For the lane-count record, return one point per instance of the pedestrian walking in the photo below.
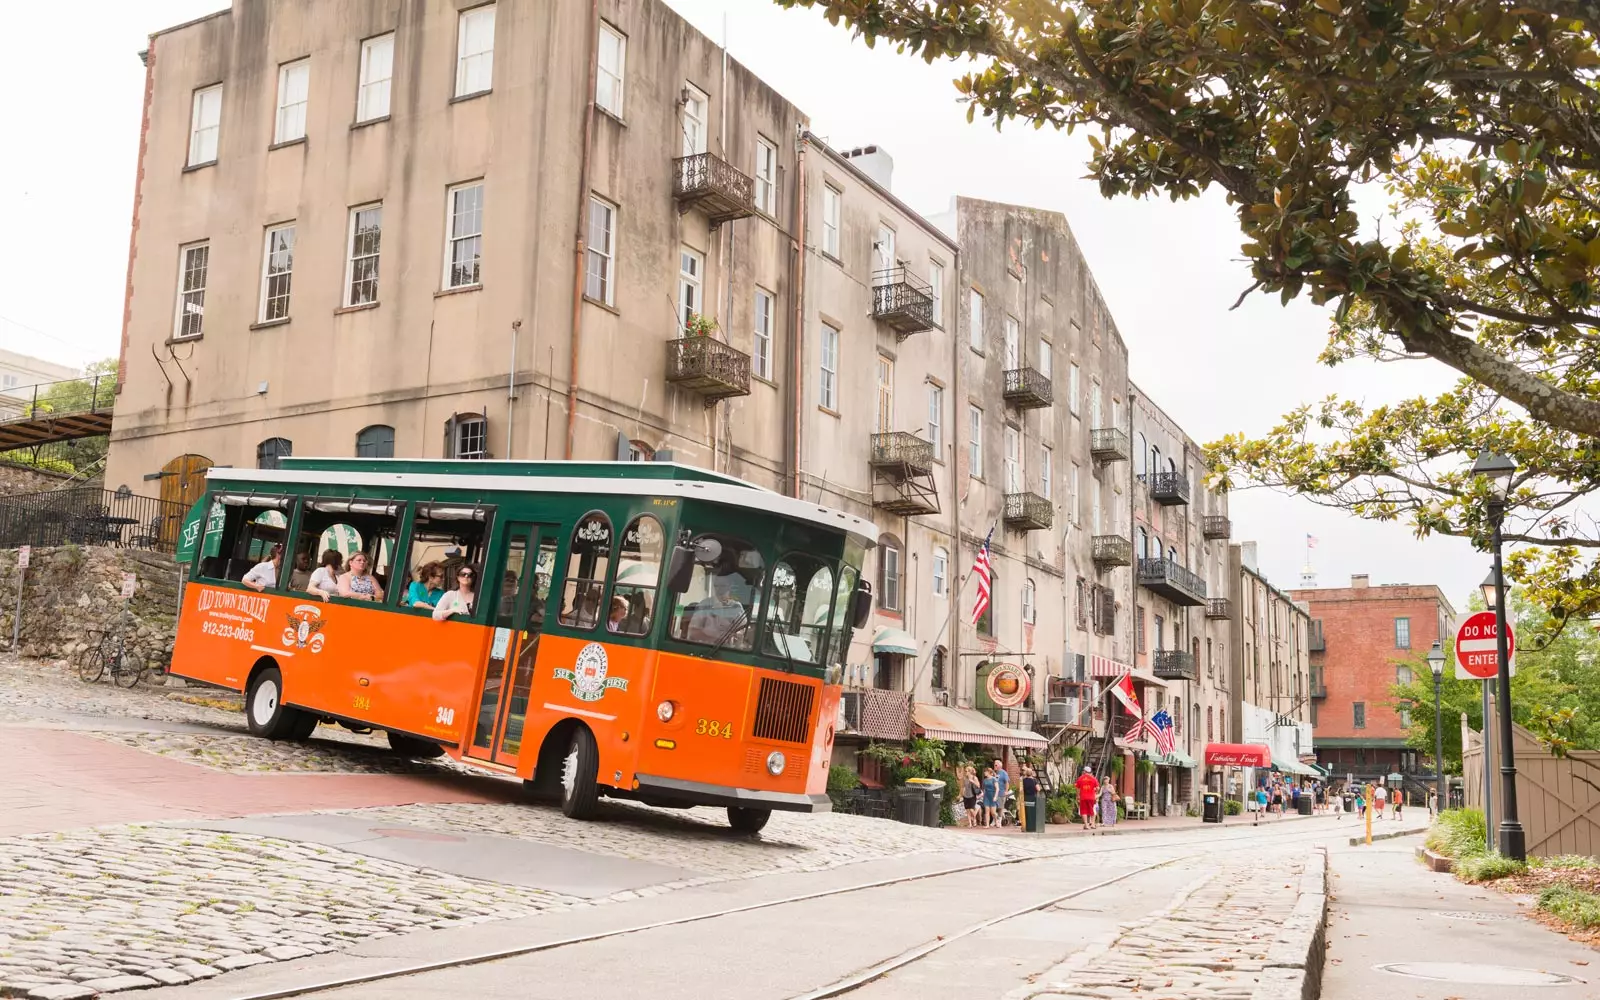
(1380, 797)
(971, 789)
(1030, 795)
(1108, 802)
(1433, 802)
(1004, 778)
(991, 793)
(1088, 798)
(1399, 802)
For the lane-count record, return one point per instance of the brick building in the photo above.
(1364, 640)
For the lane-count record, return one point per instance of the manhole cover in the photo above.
(400, 833)
(1471, 915)
(1487, 975)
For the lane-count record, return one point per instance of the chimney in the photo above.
(1358, 581)
(1247, 556)
(875, 162)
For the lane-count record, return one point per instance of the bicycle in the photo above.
(110, 653)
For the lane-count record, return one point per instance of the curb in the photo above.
(1360, 841)
(1435, 862)
(1293, 968)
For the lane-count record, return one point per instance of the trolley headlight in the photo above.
(776, 762)
(666, 710)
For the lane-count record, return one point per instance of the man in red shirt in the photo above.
(1088, 793)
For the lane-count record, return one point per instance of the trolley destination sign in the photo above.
(1476, 652)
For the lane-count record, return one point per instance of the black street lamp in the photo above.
(1436, 664)
(1498, 470)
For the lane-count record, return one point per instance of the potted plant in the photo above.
(699, 325)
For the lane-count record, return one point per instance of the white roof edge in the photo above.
(716, 492)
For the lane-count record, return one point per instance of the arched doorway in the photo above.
(183, 480)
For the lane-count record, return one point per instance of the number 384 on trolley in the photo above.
(633, 630)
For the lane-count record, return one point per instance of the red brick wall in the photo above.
(1359, 662)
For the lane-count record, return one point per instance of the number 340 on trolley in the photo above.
(713, 729)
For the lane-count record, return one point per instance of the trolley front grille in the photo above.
(783, 711)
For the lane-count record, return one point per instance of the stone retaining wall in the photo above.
(73, 591)
(15, 479)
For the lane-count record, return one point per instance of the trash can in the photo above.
(933, 804)
(1033, 818)
(909, 803)
(1306, 802)
(1212, 812)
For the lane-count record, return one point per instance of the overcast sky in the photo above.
(1169, 271)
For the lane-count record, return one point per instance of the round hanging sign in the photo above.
(1007, 685)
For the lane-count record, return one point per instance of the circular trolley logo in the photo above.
(588, 676)
(305, 624)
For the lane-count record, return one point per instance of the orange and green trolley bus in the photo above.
(646, 631)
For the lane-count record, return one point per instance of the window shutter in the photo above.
(1108, 612)
(624, 447)
(1078, 668)
(450, 437)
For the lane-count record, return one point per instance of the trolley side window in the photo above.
(633, 597)
(588, 560)
(798, 611)
(240, 531)
(444, 537)
(340, 527)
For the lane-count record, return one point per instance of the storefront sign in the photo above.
(1237, 755)
(1007, 685)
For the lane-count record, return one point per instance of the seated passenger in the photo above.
(715, 616)
(619, 611)
(637, 621)
(325, 581)
(265, 574)
(300, 576)
(427, 588)
(359, 583)
(461, 600)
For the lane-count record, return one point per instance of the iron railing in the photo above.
(902, 301)
(1109, 444)
(1027, 389)
(78, 457)
(56, 411)
(714, 186)
(1028, 512)
(1167, 488)
(1173, 664)
(1217, 526)
(90, 516)
(902, 451)
(708, 366)
(1219, 608)
(1177, 584)
(1112, 550)
(1011, 718)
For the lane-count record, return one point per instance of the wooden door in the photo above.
(183, 480)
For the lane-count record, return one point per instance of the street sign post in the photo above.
(1475, 648)
(130, 583)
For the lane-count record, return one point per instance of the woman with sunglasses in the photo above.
(460, 600)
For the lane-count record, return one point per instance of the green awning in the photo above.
(1294, 767)
(893, 640)
(1176, 758)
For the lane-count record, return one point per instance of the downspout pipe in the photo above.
(798, 327)
(581, 242)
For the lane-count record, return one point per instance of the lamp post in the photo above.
(1436, 664)
(1498, 470)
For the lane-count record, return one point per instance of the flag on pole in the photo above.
(983, 573)
(1123, 690)
(1142, 732)
(1311, 541)
(1165, 737)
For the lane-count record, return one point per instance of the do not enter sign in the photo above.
(1476, 656)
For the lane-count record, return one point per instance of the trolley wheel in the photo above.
(410, 746)
(264, 710)
(580, 793)
(90, 665)
(125, 671)
(304, 727)
(747, 820)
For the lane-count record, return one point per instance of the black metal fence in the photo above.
(90, 516)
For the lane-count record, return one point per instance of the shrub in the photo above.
(1565, 861)
(1458, 833)
(1572, 905)
(841, 782)
(1487, 867)
(1232, 807)
(1063, 803)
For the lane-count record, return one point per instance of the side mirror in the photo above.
(680, 572)
(861, 604)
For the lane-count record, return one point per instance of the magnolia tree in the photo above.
(1480, 119)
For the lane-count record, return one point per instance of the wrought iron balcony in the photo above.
(1317, 642)
(1011, 718)
(902, 474)
(1167, 488)
(1173, 664)
(903, 452)
(1027, 389)
(1109, 444)
(1217, 526)
(902, 301)
(1219, 607)
(1176, 584)
(1028, 512)
(709, 367)
(1112, 550)
(714, 186)
(1319, 689)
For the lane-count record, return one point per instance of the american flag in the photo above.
(984, 574)
(1142, 730)
(1164, 736)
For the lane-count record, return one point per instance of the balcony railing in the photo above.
(877, 713)
(1028, 512)
(1109, 444)
(56, 411)
(1112, 550)
(902, 301)
(903, 452)
(1317, 642)
(1176, 584)
(1011, 718)
(1219, 607)
(1217, 526)
(1028, 389)
(1167, 488)
(1319, 689)
(709, 367)
(714, 186)
(1173, 664)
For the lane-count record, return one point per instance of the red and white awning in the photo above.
(1106, 667)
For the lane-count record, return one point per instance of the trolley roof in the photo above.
(654, 479)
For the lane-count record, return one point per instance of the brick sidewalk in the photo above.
(59, 780)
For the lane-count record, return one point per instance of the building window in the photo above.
(885, 395)
(830, 220)
(691, 270)
(1029, 614)
(1405, 718)
(1402, 675)
(1138, 629)
(271, 451)
(376, 441)
(466, 435)
(889, 590)
(766, 177)
(205, 123)
(1079, 603)
(975, 321)
(1013, 344)
(601, 252)
(463, 259)
(761, 355)
(937, 672)
(975, 441)
(1211, 717)
(941, 572)
(1072, 388)
(294, 89)
(475, 51)
(1047, 473)
(1402, 633)
(277, 272)
(1360, 709)
(613, 62)
(366, 232)
(936, 420)
(377, 70)
(1013, 460)
(1046, 362)
(936, 284)
(193, 262)
(828, 385)
(693, 121)
(1161, 633)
